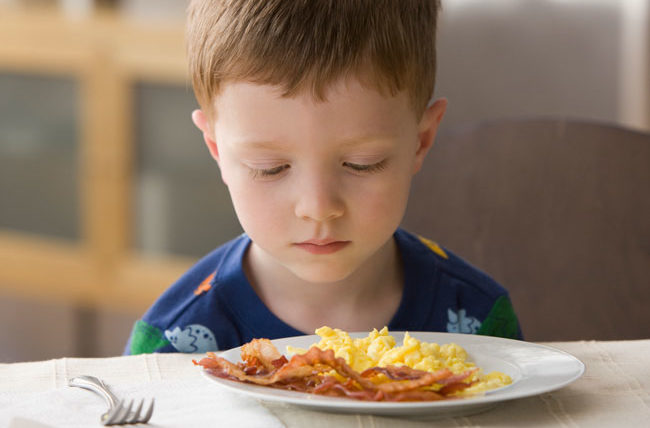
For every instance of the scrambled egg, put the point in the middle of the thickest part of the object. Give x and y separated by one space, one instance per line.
379 349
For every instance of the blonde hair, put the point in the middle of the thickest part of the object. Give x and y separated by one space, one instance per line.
309 44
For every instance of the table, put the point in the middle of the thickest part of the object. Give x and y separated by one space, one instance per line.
614 391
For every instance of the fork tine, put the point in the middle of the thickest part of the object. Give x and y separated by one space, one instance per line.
117 412
124 413
135 415
149 412
107 417
113 414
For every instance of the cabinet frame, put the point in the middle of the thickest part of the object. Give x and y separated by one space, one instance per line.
107 55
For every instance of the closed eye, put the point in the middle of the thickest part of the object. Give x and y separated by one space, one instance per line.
366 168
268 172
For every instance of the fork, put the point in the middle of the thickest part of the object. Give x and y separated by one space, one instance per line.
118 413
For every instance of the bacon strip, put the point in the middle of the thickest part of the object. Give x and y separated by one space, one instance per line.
262 350
458 377
455 387
394 372
263 365
293 369
427 380
331 386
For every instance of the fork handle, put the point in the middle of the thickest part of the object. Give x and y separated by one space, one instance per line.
95 385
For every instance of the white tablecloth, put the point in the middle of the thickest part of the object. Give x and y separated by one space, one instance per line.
613 392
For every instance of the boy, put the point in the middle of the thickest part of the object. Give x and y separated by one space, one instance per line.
317 113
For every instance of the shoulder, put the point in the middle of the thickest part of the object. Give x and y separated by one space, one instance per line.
466 299
448 266
187 316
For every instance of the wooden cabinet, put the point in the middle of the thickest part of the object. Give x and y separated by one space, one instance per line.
100 163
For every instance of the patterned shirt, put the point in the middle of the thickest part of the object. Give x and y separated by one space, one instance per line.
213 306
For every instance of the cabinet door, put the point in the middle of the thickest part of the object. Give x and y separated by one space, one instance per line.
39 155
181 205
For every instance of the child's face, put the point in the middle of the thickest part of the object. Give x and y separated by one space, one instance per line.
319 187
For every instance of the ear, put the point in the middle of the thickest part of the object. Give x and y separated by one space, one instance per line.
201 121
427 129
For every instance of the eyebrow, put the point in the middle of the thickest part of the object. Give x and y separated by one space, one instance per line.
365 139
260 144
344 141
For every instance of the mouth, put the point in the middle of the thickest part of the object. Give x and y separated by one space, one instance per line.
322 246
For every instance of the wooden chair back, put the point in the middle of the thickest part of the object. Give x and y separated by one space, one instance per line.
557 211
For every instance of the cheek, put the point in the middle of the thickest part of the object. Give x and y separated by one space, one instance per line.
385 201
259 210
247 201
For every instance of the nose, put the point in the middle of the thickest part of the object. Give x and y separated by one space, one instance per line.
319 198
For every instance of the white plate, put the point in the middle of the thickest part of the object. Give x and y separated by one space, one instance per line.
534 369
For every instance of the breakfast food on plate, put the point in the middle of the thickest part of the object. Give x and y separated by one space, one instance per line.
370 368
379 349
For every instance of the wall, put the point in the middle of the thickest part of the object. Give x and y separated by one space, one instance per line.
37 330
578 58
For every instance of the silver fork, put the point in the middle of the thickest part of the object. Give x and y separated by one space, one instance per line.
118 413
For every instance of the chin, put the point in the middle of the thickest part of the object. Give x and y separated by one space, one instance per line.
326 273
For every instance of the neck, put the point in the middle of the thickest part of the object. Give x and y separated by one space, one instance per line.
365 299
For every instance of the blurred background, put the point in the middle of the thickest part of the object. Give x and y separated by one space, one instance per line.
107 192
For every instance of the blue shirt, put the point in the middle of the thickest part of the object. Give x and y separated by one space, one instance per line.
213 306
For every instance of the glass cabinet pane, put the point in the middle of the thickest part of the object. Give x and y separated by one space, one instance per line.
38 155
181 204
